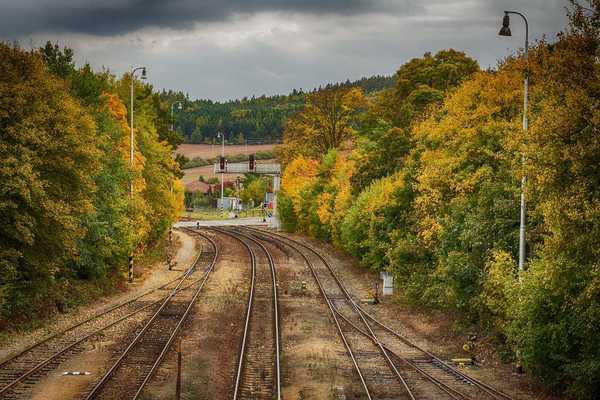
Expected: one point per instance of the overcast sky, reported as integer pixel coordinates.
(221, 49)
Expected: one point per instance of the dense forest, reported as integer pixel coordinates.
(69, 221)
(423, 180)
(255, 120)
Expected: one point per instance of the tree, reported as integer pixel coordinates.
(554, 324)
(424, 81)
(59, 62)
(327, 121)
(47, 156)
(385, 137)
(254, 191)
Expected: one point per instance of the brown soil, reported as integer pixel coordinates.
(211, 151)
(314, 361)
(315, 364)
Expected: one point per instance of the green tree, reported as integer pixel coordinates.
(421, 83)
(59, 62)
(48, 156)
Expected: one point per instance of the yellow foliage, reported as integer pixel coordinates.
(457, 135)
(118, 111)
(298, 176)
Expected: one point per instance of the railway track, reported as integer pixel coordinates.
(258, 373)
(413, 372)
(21, 371)
(136, 364)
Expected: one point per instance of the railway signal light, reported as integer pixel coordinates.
(222, 163)
(251, 163)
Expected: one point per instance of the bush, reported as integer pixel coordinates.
(556, 323)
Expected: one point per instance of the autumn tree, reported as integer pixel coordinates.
(554, 325)
(328, 121)
(69, 222)
(47, 156)
(421, 84)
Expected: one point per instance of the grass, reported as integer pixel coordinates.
(215, 214)
(203, 162)
(211, 151)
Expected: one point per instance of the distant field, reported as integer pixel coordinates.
(210, 151)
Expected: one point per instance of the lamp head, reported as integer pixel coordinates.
(505, 30)
(144, 73)
(179, 106)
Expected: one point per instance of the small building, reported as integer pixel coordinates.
(230, 203)
(388, 283)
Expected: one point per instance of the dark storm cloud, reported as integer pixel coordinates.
(223, 49)
(113, 17)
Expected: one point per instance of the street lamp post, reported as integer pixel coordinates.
(222, 136)
(505, 31)
(133, 71)
(179, 107)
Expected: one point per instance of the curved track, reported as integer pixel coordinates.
(415, 367)
(21, 371)
(258, 374)
(132, 370)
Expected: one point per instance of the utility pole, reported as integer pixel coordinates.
(505, 31)
(179, 107)
(222, 136)
(132, 145)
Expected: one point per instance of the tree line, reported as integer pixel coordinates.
(423, 180)
(69, 222)
(254, 120)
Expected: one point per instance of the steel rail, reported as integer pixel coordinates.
(90, 319)
(241, 359)
(453, 393)
(275, 309)
(336, 322)
(183, 318)
(380, 347)
(95, 390)
(450, 391)
(46, 361)
(68, 347)
(495, 393)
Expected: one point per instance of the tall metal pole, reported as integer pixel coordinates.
(172, 113)
(131, 144)
(522, 226)
(172, 123)
(131, 148)
(222, 175)
(505, 31)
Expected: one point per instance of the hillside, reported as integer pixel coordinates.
(252, 120)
